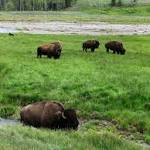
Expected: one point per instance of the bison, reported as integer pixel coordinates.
(11, 34)
(115, 46)
(50, 50)
(90, 44)
(50, 115)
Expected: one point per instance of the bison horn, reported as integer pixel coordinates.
(63, 116)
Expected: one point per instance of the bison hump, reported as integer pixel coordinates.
(50, 112)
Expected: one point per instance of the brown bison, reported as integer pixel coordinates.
(50, 115)
(57, 45)
(50, 50)
(90, 44)
(115, 46)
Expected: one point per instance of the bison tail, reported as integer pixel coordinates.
(38, 51)
(83, 46)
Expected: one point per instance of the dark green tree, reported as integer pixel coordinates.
(113, 2)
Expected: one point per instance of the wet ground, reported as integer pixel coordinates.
(95, 28)
(4, 122)
(105, 125)
(102, 124)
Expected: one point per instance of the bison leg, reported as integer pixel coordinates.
(118, 52)
(114, 51)
(49, 56)
(107, 50)
(39, 55)
(92, 49)
(39, 52)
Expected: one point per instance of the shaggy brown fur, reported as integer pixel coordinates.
(50, 50)
(116, 47)
(90, 44)
(11, 34)
(48, 114)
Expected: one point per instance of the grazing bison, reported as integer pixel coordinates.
(11, 34)
(50, 50)
(115, 46)
(90, 44)
(50, 115)
(58, 45)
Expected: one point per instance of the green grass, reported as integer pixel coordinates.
(128, 15)
(98, 85)
(123, 11)
(22, 138)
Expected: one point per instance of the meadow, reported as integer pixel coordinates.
(98, 85)
(22, 138)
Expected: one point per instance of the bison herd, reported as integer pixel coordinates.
(53, 115)
(54, 49)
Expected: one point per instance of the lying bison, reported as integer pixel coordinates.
(50, 50)
(90, 44)
(115, 46)
(50, 115)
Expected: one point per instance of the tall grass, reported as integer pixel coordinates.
(22, 138)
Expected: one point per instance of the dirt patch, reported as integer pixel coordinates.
(110, 126)
(95, 28)
(102, 125)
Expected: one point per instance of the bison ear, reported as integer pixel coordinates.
(63, 116)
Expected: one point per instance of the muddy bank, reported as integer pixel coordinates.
(95, 28)
(103, 125)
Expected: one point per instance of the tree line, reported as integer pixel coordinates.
(44, 5)
(23, 5)
(120, 2)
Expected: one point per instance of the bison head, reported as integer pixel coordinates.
(69, 119)
(123, 51)
(58, 53)
(97, 44)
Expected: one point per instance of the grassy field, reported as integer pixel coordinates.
(128, 15)
(98, 85)
(23, 138)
